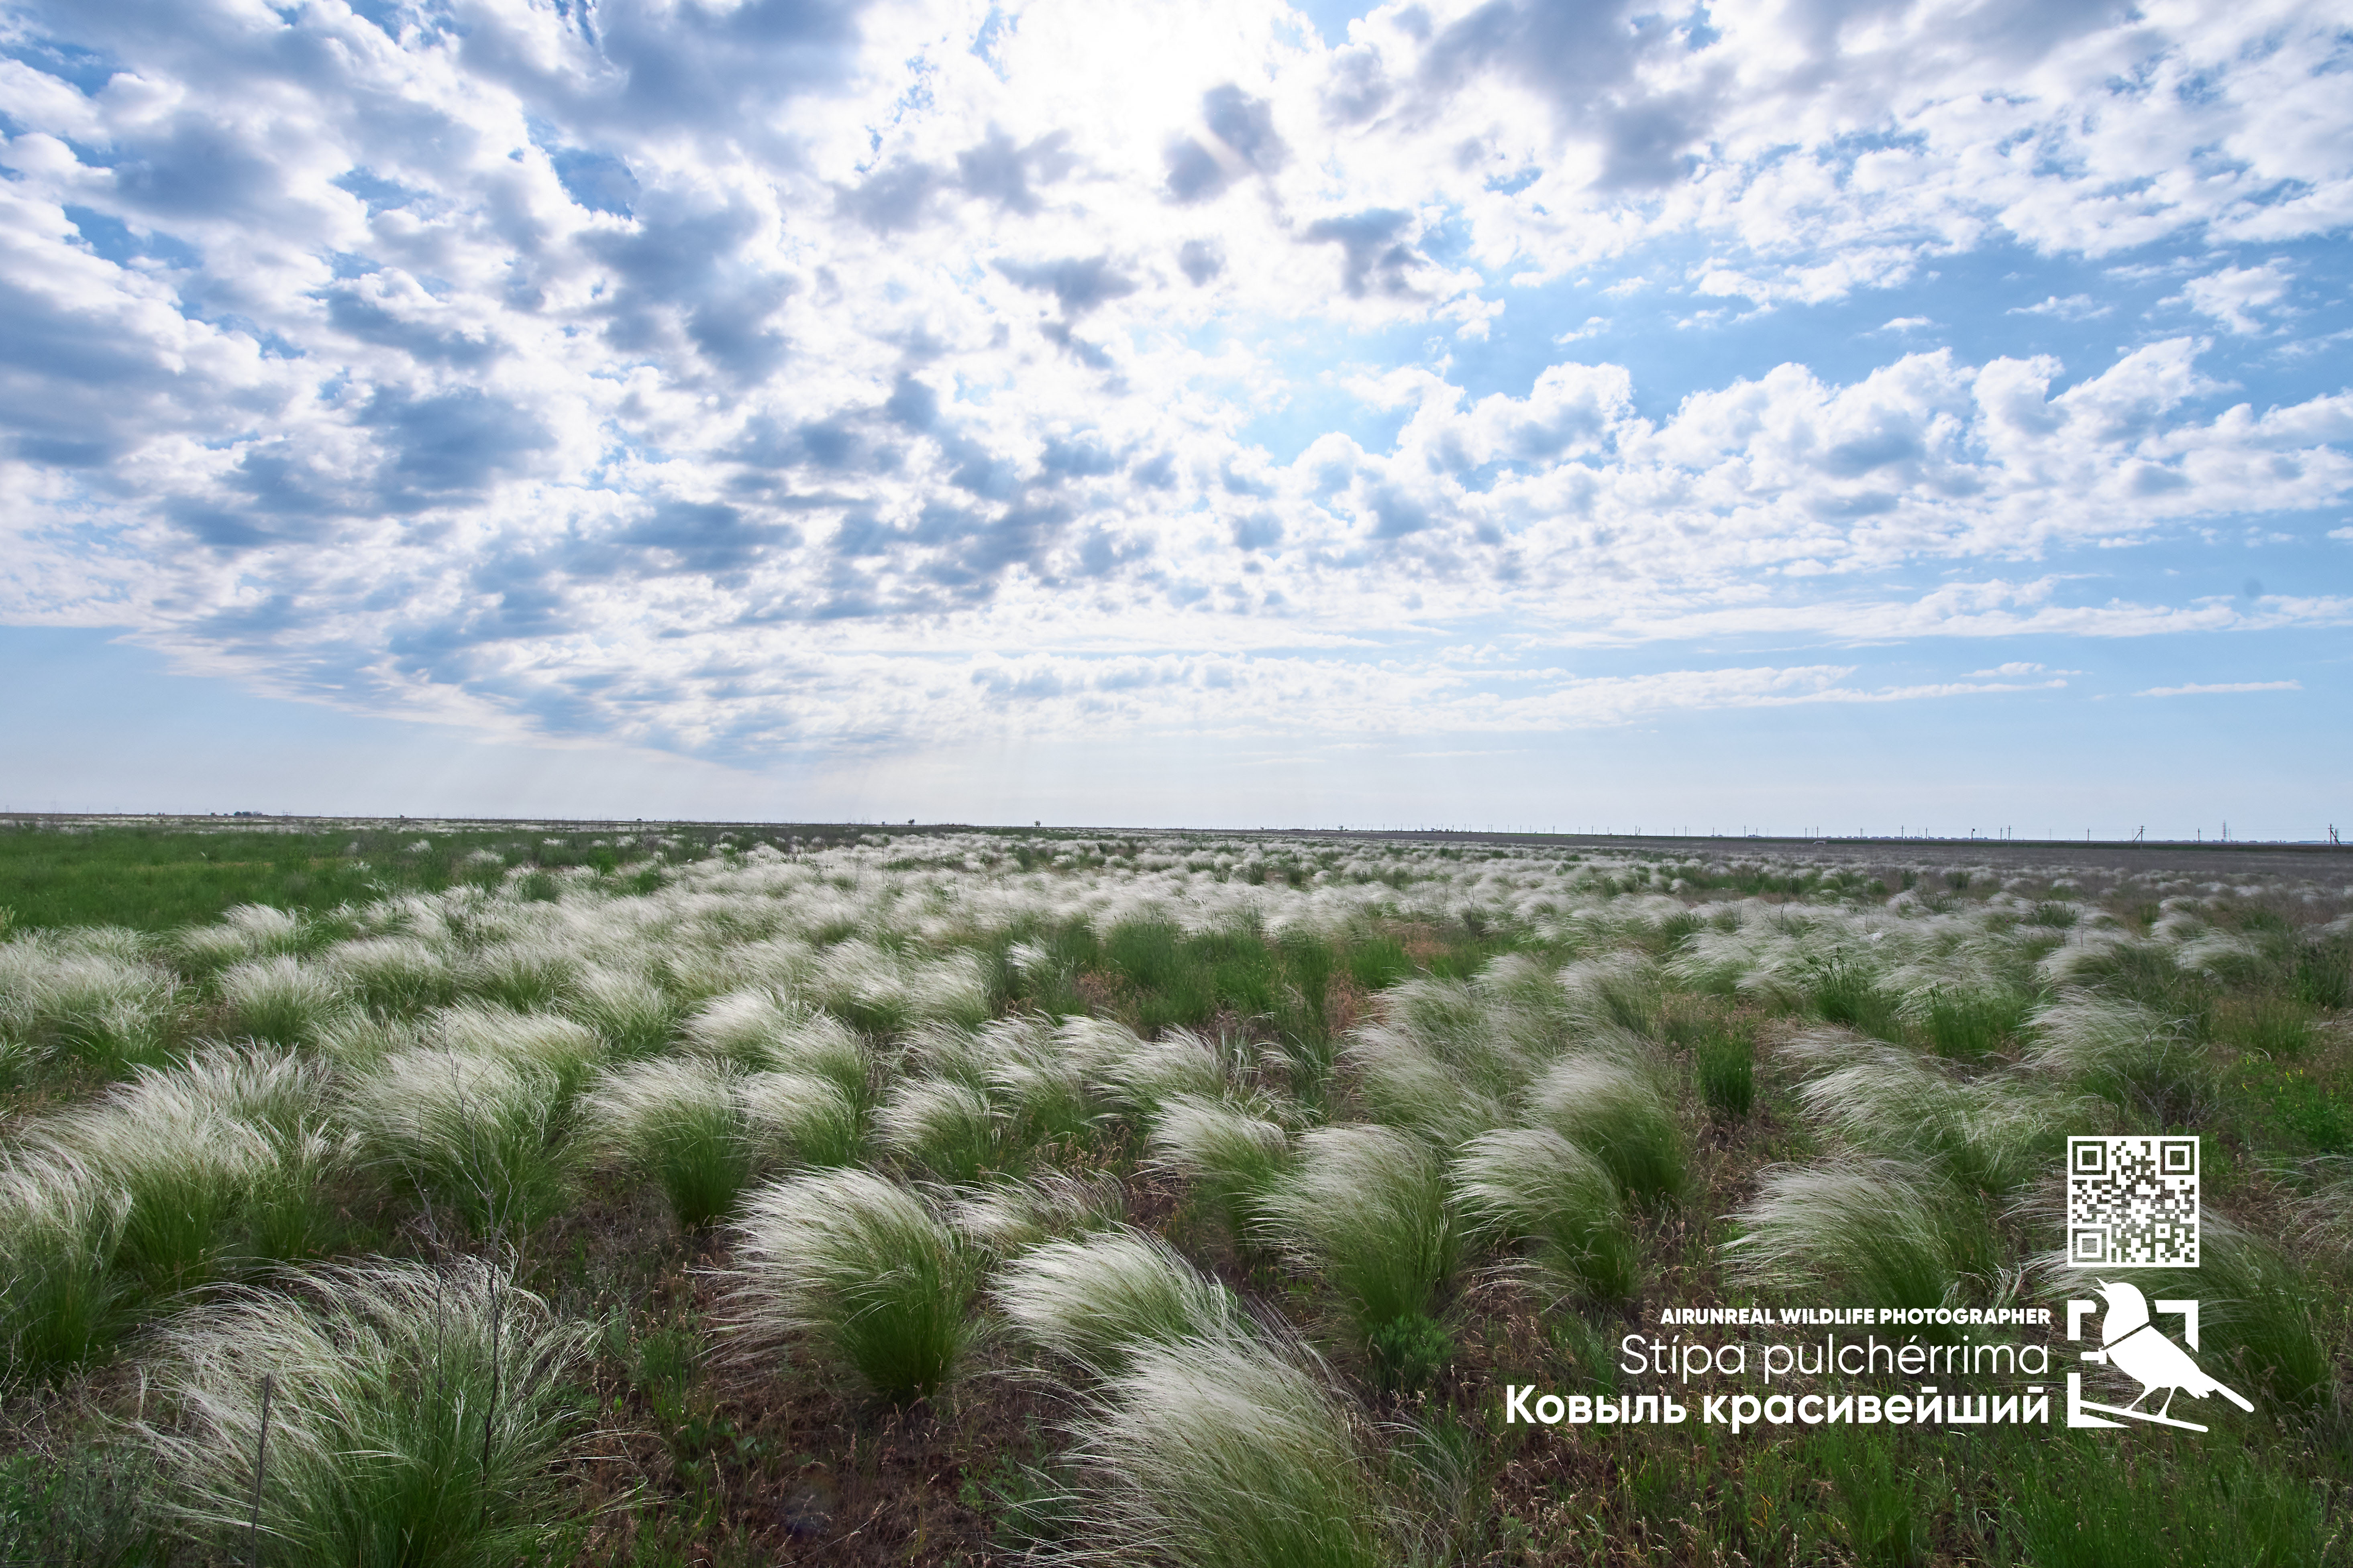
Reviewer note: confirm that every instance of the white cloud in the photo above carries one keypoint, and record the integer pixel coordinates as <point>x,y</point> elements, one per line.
<point>2207,689</point>
<point>2073,307</point>
<point>725,387</point>
<point>2232,295</point>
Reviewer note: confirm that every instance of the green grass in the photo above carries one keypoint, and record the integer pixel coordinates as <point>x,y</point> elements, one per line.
<point>860,1270</point>
<point>158,879</point>
<point>413,1417</point>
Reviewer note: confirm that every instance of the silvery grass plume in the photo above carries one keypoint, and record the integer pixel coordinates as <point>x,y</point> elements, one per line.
<point>1230,1154</point>
<point>533,970</point>
<point>886,990</point>
<point>2267,1323</point>
<point>1611,1106</point>
<point>1524,1183</point>
<point>1227,1453</point>
<point>83,995</point>
<point>247,931</point>
<point>1005,1218</point>
<point>547,1042</point>
<point>1180,1061</point>
<point>397,974</point>
<point>711,962</point>
<point>179,1172</point>
<point>354,1041</point>
<point>1365,1210</point>
<point>635,1016</point>
<point>1992,1133</point>
<point>949,1130</point>
<point>862,1272</point>
<point>801,1119</point>
<point>1871,1224</point>
<point>232,1150</point>
<point>1022,1066</point>
<point>474,1133</point>
<point>1402,1085</point>
<point>679,1120</point>
<point>760,1029</point>
<point>2328,1214</point>
<point>1094,1301</point>
<point>1617,989</point>
<point>283,999</point>
<point>2124,1052</point>
<point>62,1300</point>
<point>415,1416</point>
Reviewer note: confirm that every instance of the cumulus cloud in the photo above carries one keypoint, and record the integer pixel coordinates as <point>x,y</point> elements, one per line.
<point>738,377</point>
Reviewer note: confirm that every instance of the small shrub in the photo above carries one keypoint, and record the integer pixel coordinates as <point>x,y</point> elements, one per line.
<point>1409,1352</point>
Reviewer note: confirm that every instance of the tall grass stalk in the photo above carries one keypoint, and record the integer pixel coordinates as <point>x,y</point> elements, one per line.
<point>1220,1453</point>
<point>1993,1133</point>
<point>2125,1052</point>
<point>861,1271</point>
<point>1365,1210</point>
<point>1531,1184</point>
<point>416,1416</point>
<point>1870,1224</point>
<point>1231,1156</point>
<point>1094,1301</point>
<point>681,1120</point>
<point>635,1016</point>
<point>1008,1218</point>
<point>800,1118</point>
<point>946,1129</point>
<point>281,999</point>
<point>1612,1107</point>
<point>62,1302</point>
<point>473,1133</point>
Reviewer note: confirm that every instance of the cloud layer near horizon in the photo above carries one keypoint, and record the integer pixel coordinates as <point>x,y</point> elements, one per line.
<point>806,376</point>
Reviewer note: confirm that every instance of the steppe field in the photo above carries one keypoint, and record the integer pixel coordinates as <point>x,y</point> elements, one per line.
<point>401,1195</point>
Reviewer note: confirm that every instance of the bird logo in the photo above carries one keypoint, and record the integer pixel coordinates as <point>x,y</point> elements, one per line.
<point>2131,1342</point>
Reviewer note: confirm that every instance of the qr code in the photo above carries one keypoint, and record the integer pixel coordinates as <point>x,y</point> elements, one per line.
<point>2132,1203</point>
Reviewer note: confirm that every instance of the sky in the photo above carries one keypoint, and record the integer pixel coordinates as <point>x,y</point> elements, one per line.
<point>1832,415</point>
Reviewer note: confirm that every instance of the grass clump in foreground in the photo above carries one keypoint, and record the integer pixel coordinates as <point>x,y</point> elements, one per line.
<point>679,1120</point>
<point>1528,1185</point>
<point>1224,1454</point>
<point>1095,1301</point>
<point>1869,1224</point>
<point>1365,1210</point>
<point>414,1417</point>
<point>859,1270</point>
